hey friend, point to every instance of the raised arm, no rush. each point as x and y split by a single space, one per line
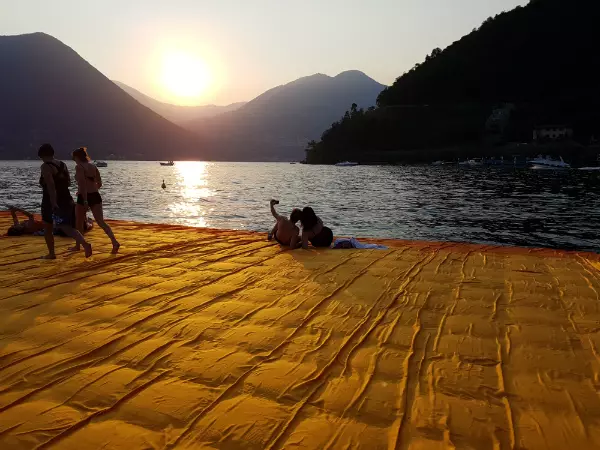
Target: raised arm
13 213
273 203
14 210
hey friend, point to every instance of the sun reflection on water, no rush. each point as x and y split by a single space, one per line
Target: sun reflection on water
193 202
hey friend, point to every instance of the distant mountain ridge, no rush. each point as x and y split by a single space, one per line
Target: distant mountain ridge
176 113
537 61
277 124
51 94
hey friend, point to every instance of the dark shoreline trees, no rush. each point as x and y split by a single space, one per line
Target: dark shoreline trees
540 57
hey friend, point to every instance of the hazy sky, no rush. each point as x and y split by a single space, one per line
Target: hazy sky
249 46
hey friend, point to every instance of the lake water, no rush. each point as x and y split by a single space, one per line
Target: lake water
491 205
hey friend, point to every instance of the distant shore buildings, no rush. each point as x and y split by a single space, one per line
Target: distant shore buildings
544 133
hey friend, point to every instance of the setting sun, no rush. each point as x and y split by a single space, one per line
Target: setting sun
185 76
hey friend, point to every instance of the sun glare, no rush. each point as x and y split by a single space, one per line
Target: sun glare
185 77
194 202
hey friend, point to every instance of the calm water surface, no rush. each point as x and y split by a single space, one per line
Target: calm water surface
492 206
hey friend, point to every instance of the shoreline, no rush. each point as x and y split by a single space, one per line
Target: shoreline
388 242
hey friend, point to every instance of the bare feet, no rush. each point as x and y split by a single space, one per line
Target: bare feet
48 257
116 248
88 250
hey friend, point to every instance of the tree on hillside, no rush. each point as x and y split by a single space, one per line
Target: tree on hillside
516 57
434 54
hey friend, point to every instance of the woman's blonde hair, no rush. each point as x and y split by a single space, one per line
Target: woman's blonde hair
81 154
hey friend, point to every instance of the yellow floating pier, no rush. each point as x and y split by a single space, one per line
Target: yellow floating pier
195 338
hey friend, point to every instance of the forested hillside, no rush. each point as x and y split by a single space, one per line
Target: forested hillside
539 58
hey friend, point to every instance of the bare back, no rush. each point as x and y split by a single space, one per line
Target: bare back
286 231
88 175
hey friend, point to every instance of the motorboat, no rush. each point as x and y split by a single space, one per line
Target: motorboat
547 162
347 164
443 163
169 163
100 163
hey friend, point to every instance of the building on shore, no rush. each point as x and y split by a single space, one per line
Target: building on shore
544 133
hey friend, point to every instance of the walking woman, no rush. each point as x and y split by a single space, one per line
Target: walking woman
57 203
89 181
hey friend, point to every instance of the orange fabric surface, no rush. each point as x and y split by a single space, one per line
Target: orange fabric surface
195 338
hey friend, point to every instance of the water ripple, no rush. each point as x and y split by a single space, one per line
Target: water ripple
492 206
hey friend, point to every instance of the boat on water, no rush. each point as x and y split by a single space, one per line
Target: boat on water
592 168
473 162
548 163
100 163
168 163
443 163
347 164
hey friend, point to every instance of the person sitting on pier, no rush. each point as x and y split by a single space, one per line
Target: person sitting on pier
313 230
285 230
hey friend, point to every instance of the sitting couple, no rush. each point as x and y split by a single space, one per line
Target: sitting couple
287 233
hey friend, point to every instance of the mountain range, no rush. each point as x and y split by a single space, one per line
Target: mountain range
51 94
277 124
176 113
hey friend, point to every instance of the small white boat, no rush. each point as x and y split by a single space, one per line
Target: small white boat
347 164
548 163
473 162
100 163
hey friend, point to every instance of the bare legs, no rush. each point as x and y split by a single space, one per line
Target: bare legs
80 211
69 231
49 237
98 213
99 216
79 239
